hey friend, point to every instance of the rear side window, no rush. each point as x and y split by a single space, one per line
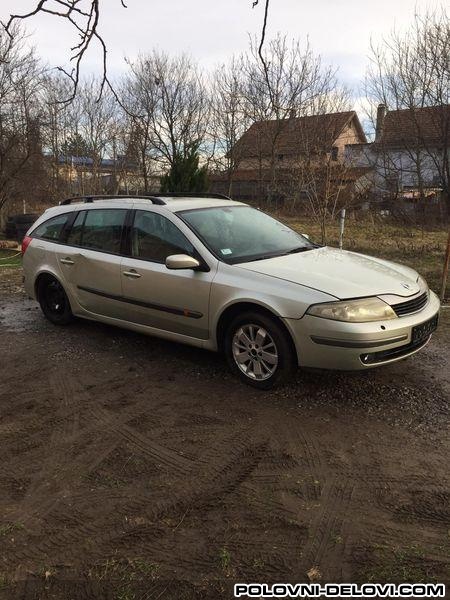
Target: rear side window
98 229
74 237
51 229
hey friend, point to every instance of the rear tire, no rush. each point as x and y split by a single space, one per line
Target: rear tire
259 350
54 301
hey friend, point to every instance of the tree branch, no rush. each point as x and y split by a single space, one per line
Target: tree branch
83 16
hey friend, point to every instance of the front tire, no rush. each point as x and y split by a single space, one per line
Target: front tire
54 301
259 350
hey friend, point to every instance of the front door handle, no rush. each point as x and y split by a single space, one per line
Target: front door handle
67 261
132 273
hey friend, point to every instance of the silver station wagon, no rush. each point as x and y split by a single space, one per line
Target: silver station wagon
221 275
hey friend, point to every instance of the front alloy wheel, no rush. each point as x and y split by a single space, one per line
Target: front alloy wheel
255 352
259 349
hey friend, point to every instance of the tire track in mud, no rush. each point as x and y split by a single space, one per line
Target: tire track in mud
201 484
292 476
318 492
112 530
40 501
429 505
204 494
55 467
158 453
329 522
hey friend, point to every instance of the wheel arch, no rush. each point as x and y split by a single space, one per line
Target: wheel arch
232 310
42 276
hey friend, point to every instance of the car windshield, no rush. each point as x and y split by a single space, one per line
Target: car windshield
240 233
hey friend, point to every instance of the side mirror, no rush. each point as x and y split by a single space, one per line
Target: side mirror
305 235
181 261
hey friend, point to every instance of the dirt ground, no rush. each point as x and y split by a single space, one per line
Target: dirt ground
136 468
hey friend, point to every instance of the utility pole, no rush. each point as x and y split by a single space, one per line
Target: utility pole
445 270
341 228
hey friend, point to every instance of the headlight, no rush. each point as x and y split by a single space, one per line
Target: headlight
354 311
422 283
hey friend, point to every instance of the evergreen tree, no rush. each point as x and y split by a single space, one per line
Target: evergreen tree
185 175
76 145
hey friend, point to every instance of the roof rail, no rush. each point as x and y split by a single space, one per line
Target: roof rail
92 198
154 198
192 195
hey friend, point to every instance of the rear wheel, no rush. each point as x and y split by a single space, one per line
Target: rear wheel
54 301
259 350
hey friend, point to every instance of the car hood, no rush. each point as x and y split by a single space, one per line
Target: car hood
340 273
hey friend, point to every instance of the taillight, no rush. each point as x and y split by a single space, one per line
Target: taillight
25 243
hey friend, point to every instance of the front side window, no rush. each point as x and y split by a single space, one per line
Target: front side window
155 238
98 229
51 229
241 233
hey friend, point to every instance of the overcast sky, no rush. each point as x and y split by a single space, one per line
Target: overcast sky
212 30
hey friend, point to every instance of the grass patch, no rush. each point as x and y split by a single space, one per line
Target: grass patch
8 528
394 564
3 581
225 559
10 259
127 571
422 250
106 480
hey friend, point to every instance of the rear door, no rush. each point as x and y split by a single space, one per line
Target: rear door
90 260
171 300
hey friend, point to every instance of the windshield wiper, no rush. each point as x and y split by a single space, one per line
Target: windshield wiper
299 249
273 255
263 257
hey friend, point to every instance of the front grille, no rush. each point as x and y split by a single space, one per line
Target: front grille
410 306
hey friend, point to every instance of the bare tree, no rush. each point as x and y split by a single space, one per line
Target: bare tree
411 73
84 17
323 176
97 127
229 120
20 81
84 140
60 122
139 97
290 83
168 106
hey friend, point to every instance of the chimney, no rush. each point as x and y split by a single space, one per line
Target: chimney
381 113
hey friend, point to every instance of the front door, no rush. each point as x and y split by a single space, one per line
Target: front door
170 300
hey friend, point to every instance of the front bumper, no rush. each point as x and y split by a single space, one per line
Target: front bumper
327 344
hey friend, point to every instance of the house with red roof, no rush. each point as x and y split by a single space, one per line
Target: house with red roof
272 154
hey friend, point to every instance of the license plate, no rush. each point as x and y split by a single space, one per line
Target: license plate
424 330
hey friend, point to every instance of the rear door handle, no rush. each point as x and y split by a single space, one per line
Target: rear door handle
67 261
132 273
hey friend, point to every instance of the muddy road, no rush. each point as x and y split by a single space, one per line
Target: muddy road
137 468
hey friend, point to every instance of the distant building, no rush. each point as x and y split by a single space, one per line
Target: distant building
271 155
81 173
409 154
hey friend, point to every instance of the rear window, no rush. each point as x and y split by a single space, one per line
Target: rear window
51 229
